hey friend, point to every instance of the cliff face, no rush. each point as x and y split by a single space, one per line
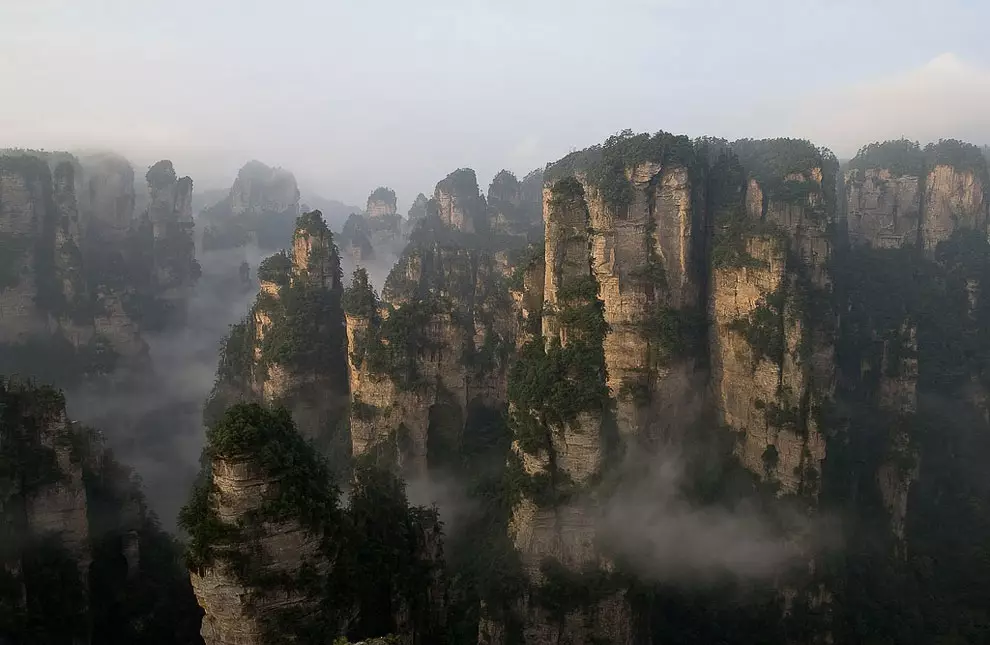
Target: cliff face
105 189
883 210
273 559
772 337
260 189
381 203
290 348
248 577
170 216
906 206
459 204
235 613
621 277
78 548
26 211
955 199
435 346
261 208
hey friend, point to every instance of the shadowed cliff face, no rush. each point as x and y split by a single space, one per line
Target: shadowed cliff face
260 209
81 556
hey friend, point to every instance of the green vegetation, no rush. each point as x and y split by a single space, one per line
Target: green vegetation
900 157
277 269
418 209
359 298
565 590
312 224
524 260
382 194
958 154
379 549
763 328
605 166
393 346
50 599
161 175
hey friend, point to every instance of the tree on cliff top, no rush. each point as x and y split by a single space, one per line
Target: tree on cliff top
900 157
161 175
382 194
359 298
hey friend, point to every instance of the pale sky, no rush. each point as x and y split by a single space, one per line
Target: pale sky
350 95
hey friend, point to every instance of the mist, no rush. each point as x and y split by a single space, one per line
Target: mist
649 523
153 421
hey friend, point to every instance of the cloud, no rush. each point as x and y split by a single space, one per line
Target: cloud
945 98
649 523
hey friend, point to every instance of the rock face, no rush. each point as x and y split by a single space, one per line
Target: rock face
27 215
376 236
436 346
261 208
290 348
170 215
883 211
901 198
773 360
955 199
515 209
73 529
234 615
105 188
381 203
261 189
460 205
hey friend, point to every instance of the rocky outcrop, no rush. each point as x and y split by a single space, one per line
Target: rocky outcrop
955 199
772 342
78 545
381 203
236 614
106 193
883 210
261 208
460 205
445 320
262 189
27 213
516 208
289 350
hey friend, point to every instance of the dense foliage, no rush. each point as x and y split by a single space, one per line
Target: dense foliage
382 194
605 166
276 269
359 298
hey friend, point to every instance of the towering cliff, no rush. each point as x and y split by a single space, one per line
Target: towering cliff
613 344
262 524
82 561
49 313
378 235
274 559
290 348
773 334
515 208
381 203
435 345
169 215
459 204
260 208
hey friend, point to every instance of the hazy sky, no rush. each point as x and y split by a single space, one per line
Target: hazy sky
354 94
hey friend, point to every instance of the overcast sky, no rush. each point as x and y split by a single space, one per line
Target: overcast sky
350 95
